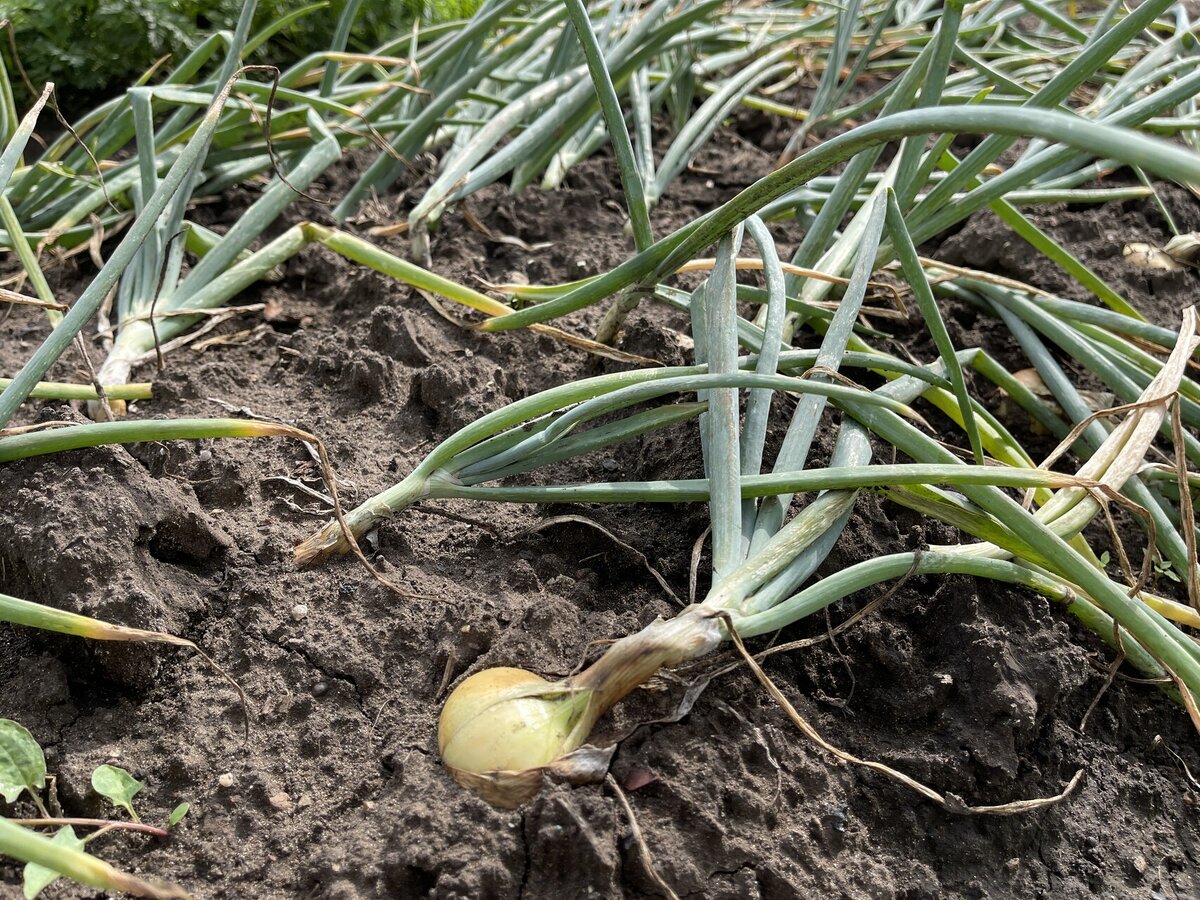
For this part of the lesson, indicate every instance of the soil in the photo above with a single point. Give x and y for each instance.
(974, 688)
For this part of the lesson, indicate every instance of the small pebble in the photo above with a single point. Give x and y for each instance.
(1140, 865)
(320, 689)
(299, 611)
(226, 780)
(204, 455)
(280, 801)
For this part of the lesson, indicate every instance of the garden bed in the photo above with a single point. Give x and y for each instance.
(973, 687)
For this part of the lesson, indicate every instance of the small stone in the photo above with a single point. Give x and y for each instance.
(609, 464)
(281, 801)
(299, 611)
(1140, 865)
(320, 689)
(204, 455)
(226, 780)
(304, 802)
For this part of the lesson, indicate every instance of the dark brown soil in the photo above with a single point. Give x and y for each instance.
(975, 689)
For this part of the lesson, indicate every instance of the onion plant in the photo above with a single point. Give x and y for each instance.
(503, 731)
(458, 89)
(1071, 133)
(530, 725)
(510, 94)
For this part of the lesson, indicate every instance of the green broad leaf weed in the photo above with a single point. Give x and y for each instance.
(177, 814)
(118, 786)
(22, 764)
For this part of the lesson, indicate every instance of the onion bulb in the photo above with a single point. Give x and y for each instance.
(507, 719)
(503, 730)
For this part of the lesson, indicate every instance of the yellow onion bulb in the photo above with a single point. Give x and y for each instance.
(495, 721)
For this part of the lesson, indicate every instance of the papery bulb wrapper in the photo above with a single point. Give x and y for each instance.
(497, 720)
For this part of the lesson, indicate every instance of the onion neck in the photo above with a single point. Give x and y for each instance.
(635, 659)
(331, 540)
